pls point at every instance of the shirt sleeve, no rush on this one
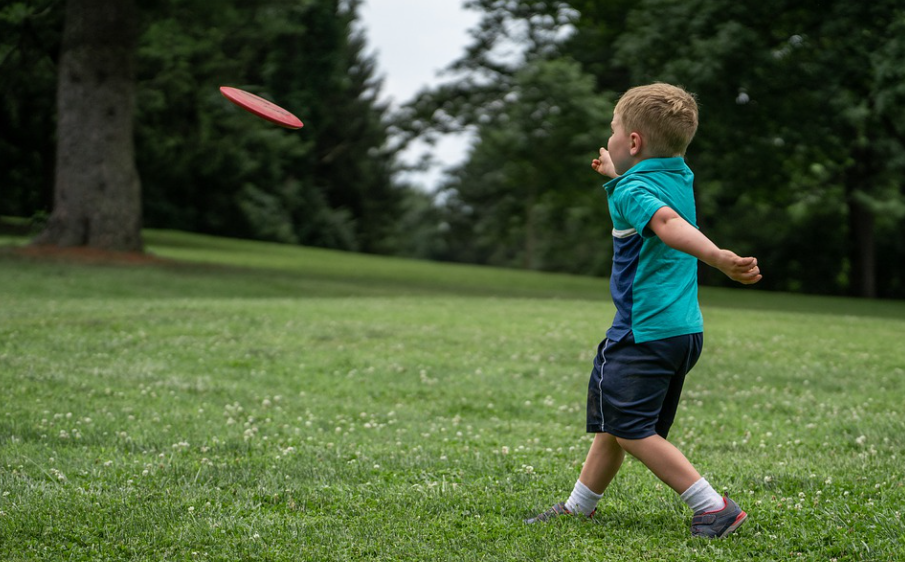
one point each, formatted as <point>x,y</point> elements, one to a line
<point>637,203</point>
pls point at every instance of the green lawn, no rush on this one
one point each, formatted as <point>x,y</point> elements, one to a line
<point>248,401</point>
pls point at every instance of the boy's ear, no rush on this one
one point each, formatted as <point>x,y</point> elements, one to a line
<point>635,143</point>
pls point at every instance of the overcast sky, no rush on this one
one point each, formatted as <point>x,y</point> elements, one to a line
<point>413,41</point>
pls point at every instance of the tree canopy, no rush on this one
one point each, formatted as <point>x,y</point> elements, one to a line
<point>799,158</point>
<point>206,166</point>
<point>800,151</point>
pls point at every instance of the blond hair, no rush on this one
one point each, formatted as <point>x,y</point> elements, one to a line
<point>666,116</point>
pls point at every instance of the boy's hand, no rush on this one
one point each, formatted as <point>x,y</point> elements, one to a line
<point>604,164</point>
<point>743,270</point>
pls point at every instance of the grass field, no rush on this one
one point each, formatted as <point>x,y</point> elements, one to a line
<point>246,401</point>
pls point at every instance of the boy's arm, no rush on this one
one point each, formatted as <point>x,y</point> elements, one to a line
<point>677,233</point>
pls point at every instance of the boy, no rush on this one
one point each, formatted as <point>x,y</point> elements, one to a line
<point>656,336</point>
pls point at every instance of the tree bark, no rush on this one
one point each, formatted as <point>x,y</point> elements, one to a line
<point>97,191</point>
<point>863,255</point>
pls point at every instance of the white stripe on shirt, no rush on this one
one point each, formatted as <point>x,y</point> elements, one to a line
<point>624,233</point>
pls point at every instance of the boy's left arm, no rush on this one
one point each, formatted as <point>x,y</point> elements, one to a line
<point>679,234</point>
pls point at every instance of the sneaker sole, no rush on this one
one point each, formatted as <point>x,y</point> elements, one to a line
<point>735,524</point>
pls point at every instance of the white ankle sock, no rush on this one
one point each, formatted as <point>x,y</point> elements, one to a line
<point>582,500</point>
<point>701,496</point>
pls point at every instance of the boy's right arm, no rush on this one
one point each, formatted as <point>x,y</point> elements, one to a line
<point>678,233</point>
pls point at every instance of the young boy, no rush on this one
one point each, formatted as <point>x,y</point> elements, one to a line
<point>656,336</point>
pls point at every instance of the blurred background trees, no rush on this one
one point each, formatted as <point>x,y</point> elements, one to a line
<point>205,165</point>
<point>799,158</point>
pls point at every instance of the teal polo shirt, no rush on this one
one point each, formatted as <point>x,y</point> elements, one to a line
<point>654,287</point>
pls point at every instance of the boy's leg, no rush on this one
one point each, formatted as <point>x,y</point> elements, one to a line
<point>605,455</point>
<point>674,469</point>
<point>664,460</point>
<point>714,515</point>
<point>602,463</point>
<point>604,459</point>
<point>641,397</point>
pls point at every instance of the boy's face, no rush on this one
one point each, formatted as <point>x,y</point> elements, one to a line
<point>621,146</point>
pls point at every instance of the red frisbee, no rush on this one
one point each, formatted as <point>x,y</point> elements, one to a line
<point>261,107</point>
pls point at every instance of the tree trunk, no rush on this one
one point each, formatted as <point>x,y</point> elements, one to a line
<point>97,191</point>
<point>863,253</point>
<point>528,259</point>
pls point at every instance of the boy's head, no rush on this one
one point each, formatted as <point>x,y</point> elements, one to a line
<point>665,116</point>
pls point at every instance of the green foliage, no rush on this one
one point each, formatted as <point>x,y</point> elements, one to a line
<point>524,192</point>
<point>511,34</point>
<point>525,195</point>
<point>799,156</point>
<point>797,127</point>
<point>30,35</point>
<point>420,230</point>
<point>206,165</point>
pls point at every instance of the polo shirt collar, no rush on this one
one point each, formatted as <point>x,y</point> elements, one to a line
<point>674,164</point>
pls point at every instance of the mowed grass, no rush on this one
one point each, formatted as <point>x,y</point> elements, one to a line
<point>247,401</point>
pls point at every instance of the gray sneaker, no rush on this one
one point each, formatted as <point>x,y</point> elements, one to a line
<point>718,524</point>
<point>554,512</point>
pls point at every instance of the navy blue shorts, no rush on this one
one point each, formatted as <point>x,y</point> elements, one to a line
<point>635,387</point>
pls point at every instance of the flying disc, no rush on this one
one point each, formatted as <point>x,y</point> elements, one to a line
<point>261,107</point>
